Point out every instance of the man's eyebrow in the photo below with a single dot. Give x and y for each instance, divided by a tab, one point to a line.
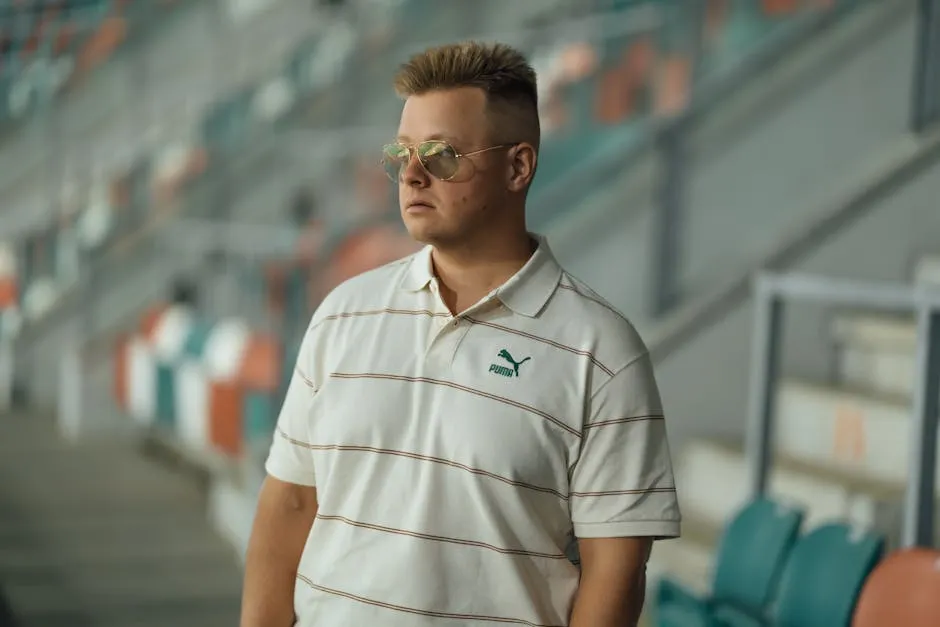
436	136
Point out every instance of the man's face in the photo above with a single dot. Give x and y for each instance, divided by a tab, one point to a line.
461	209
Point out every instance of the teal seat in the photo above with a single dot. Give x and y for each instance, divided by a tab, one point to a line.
166	395
824	576
751	557
259	417
226	125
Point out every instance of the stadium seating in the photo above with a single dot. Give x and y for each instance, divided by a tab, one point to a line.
48	45
824	576
751	557
904	589
598	97
211	385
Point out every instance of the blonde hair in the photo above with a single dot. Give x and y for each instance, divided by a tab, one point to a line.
500	71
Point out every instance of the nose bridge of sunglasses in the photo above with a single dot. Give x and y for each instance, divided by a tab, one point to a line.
399	157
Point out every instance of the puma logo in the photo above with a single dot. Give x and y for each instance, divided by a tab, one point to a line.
503	370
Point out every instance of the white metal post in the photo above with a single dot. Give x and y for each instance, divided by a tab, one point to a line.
918	529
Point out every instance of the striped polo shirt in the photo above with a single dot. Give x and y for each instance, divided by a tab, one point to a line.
457	458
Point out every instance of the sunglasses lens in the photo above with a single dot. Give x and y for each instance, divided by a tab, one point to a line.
439	159
394	158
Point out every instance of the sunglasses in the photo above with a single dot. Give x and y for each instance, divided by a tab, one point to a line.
438	158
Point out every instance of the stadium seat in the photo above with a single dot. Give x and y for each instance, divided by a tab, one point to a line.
903	590
751	556
824	576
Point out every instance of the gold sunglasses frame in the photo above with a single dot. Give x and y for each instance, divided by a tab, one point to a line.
413	152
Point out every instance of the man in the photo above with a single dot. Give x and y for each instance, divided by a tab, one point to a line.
460	418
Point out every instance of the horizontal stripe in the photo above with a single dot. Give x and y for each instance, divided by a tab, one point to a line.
559	345
620	421
462	388
590	297
622	492
444	539
420	612
307	381
425	458
378	312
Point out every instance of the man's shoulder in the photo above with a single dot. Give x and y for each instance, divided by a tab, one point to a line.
617	337
369	289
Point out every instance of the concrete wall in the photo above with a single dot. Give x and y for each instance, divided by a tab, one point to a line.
705	382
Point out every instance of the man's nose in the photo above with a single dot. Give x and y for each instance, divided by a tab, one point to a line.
414	174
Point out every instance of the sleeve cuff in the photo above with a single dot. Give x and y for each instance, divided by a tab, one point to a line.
289	475
628	529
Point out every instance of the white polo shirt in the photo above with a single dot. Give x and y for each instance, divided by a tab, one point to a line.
456	458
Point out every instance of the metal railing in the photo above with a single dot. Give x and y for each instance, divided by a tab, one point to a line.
772	293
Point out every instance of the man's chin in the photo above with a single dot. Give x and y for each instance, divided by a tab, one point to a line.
421	234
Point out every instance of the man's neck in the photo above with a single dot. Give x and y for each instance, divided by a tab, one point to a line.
469	273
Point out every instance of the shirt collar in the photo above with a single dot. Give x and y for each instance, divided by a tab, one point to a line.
525	293
420	271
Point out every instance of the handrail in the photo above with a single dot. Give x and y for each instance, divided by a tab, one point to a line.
772	294
907	160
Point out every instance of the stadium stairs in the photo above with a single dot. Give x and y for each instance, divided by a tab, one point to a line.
102	535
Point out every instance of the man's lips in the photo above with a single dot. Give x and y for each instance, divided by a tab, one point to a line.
419	205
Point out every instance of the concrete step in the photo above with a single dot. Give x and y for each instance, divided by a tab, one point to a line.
713	482
97	534
94	594
25	556
179	613
876	352
846	431
927	270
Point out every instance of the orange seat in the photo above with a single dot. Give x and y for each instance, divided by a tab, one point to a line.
225	417
776	8
9	292
673	87
150	319
903	590
365	249
261	365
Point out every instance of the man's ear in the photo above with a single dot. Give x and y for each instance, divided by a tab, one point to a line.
522	162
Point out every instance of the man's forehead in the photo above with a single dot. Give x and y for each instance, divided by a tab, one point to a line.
454	115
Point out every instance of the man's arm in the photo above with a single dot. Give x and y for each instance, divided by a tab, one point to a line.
613	582
282	523
622	496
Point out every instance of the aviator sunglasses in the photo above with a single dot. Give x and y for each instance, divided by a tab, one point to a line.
438	158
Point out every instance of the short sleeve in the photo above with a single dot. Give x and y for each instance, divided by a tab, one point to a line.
622	484
290	458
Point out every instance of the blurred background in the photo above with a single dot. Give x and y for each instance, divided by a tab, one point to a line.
181	181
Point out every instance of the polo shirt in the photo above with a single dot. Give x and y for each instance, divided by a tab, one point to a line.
458	458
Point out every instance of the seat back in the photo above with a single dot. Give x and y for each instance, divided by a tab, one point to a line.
824	576
752	553
903	590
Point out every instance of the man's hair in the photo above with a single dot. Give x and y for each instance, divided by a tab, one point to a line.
500	71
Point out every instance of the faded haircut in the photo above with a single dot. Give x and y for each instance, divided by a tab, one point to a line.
500	71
